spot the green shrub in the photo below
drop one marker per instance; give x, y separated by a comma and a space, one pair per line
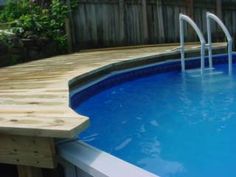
33, 19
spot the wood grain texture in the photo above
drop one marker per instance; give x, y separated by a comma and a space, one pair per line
28, 151
34, 97
107, 23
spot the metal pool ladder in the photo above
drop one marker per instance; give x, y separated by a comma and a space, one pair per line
187, 19
209, 17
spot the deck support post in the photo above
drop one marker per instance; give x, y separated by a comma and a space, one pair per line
26, 171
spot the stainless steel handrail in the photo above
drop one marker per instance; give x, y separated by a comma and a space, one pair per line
212, 16
183, 18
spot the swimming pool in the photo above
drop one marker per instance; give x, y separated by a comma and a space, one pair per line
167, 122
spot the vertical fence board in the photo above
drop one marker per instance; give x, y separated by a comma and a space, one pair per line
145, 23
160, 22
219, 8
121, 22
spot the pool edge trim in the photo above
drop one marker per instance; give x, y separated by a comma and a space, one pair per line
98, 163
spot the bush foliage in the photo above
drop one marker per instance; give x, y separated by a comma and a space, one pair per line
37, 19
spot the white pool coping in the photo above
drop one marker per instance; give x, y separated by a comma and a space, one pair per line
98, 163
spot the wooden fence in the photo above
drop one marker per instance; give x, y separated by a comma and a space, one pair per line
107, 23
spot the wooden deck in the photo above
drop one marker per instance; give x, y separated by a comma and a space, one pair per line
34, 96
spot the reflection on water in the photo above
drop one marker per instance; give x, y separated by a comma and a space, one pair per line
163, 167
123, 144
153, 160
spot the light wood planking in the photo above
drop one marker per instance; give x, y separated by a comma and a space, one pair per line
34, 97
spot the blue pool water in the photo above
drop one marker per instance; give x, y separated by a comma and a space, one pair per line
171, 124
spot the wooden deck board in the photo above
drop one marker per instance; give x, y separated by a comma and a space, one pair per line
34, 96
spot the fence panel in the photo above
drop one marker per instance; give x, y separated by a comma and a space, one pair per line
107, 23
